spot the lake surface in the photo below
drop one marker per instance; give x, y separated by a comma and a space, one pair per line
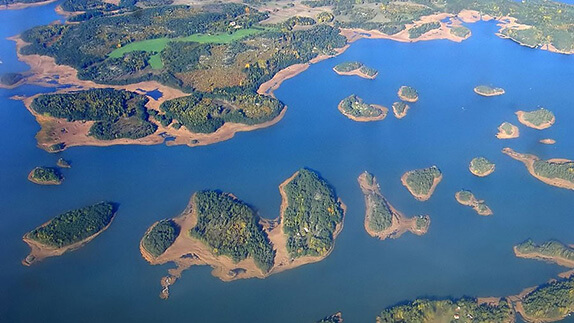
462, 254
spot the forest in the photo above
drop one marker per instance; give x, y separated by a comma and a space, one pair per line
356, 107
74, 226
420, 30
420, 181
539, 117
552, 248
160, 237
231, 228
46, 175
550, 302
561, 170
312, 215
481, 165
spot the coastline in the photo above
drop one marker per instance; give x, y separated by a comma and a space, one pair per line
402, 114
547, 141
421, 197
545, 125
40, 251
476, 173
515, 133
405, 98
539, 256
382, 116
22, 5
528, 160
494, 93
35, 181
358, 73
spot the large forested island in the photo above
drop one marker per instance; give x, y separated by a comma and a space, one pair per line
551, 251
219, 230
354, 108
382, 220
538, 119
556, 172
421, 183
68, 231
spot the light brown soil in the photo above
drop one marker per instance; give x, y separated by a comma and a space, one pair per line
474, 203
538, 256
187, 251
402, 114
515, 133
420, 197
399, 224
520, 115
548, 141
383, 115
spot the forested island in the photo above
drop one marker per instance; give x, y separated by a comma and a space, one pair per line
551, 251
354, 108
486, 90
507, 131
68, 231
465, 197
481, 167
556, 172
356, 68
400, 109
538, 119
46, 176
219, 230
382, 220
421, 183
408, 94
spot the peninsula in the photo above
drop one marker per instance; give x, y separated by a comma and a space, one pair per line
356, 68
400, 109
481, 167
354, 108
219, 230
421, 183
46, 176
68, 231
465, 197
408, 94
549, 302
551, 251
507, 131
538, 119
382, 220
556, 172
486, 90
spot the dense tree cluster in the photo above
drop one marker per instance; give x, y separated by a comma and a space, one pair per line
550, 302
539, 117
420, 181
46, 175
160, 237
420, 30
11, 78
560, 170
355, 106
552, 248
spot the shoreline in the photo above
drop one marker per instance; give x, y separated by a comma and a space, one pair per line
356, 72
515, 132
382, 116
35, 181
547, 141
23, 5
187, 251
402, 114
520, 114
478, 174
538, 256
494, 93
405, 98
40, 251
421, 197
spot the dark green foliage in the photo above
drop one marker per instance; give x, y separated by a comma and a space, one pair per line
10, 79
560, 170
420, 181
465, 196
369, 71
481, 165
325, 17
161, 236
335, 318
348, 66
355, 106
47, 175
418, 31
131, 128
506, 127
550, 248
539, 117
87, 5
231, 228
488, 90
460, 31
552, 301
312, 215
381, 216
130, 68
422, 222
57, 147
409, 93
74, 226
183, 56
399, 107
427, 311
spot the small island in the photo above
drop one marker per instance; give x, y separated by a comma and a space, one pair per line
45, 176
335, 318
382, 220
538, 119
481, 167
356, 68
408, 94
459, 310
486, 90
354, 108
556, 172
219, 230
547, 141
551, 251
465, 197
507, 131
400, 109
62, 163
421, 183
68, 231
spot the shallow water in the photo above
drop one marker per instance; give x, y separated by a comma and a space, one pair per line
462, 254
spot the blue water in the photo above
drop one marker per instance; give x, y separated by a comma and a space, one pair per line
462, 254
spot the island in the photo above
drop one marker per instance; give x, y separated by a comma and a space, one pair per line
507, 131
62, 163
382, 220
400, 109
68, 231
46, 176
408, 94
552, 251
538, 119
481, 167
335, 318
486, 90
356, 68
11, 80
465, 197
220, 230
547, 141
354, 108
458, 310
556, 172
549, 302
421, 183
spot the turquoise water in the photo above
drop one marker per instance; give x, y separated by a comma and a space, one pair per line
462, 254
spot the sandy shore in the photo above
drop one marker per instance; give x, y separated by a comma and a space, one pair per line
187, 251
520, 115
21, 5
383, 115
528, 161
474, 203
399, 223
515, 133
358, 73
476, 173
40, 251
547, 141
421, 197
538, 256
402, 114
